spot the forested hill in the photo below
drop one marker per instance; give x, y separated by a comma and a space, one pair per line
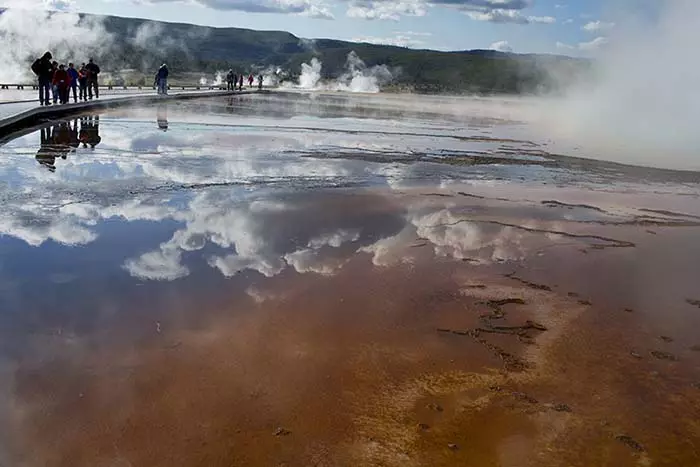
143, 45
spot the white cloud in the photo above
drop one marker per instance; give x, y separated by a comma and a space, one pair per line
311, 8
568, 21
542, 19
496, 11
334, 239
162, 265
563, 46
52, 5
508, 16
399, 40
312, 261
386, 10
231, 265
595, 26
501, 46
590, 46
595, 44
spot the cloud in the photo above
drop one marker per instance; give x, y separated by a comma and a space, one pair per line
311, 8
60, 5
564, 46
386, 10
508, 16
595, 26
496, 11
163, 265
501, 46
590, 46
401, 39
51, 5
595, 44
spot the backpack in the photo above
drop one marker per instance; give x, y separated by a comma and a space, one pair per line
36, 66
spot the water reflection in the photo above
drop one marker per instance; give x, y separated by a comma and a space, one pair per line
90, 131
60, 139
162, 117
270, 232
57, 141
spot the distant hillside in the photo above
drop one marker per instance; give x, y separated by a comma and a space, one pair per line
142, 45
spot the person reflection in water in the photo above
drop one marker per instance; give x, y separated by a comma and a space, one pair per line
162, 117
46, 155
55, 143
90, 131
74, 140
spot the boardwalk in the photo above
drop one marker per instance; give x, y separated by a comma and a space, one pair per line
18, 115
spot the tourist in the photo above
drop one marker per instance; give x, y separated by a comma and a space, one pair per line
162, 79
83, 82
74, 76
235, 81
229, 80
240, 83
61, 81
54, 88
92, 82
43, 69
250, 80
260, 82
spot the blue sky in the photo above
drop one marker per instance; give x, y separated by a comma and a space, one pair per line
573, 27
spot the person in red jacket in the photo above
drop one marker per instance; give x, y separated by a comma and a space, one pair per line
61, 79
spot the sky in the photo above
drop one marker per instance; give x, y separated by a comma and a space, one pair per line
571, 27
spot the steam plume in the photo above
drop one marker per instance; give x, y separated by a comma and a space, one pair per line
642, 105
358, 77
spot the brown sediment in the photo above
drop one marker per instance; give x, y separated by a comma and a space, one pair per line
429, 361
555, 203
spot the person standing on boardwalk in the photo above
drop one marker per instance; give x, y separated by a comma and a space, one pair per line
93, 72
260, 82
162, 79
54, 87
240, 83
43, 69
61, 80
83, 82
229, 80
74, 76
250, 80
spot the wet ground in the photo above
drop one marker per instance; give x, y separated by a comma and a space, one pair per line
333, 280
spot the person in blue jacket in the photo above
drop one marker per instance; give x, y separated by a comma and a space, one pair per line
162, 79
73, 74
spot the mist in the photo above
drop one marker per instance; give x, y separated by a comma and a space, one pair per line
357, 77
27, 32
642, 104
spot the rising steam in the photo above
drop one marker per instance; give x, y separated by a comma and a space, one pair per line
643, 104
358, 77
27, 32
